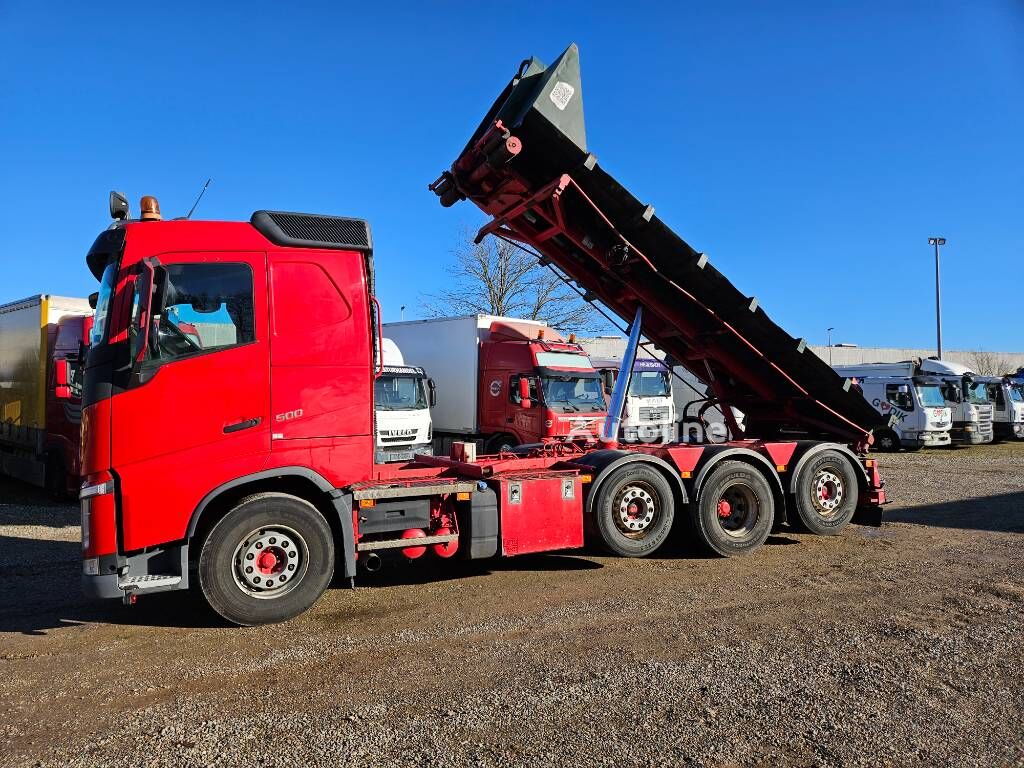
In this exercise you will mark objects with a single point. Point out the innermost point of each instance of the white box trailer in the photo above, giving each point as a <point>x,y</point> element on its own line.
<point>448,349</point>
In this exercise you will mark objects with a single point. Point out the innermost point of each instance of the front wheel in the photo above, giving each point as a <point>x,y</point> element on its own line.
<point>267,560</point>
<point>735,509</point>
<point>827,493</point>
<point>887,441</point>
<point>634,510</point>
<point>499,444</point>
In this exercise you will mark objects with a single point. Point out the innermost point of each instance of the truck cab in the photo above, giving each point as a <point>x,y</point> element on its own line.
<point>919,415</point>
<point>649,415</point>
<point>547,387</point>
<point>1007,401</point>
<point>967,397</point>
<point>402,396</point>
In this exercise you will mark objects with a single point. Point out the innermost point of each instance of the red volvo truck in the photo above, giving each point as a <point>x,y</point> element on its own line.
<point>245,466</point>
<point>41,343</point>
<point>480,361</point>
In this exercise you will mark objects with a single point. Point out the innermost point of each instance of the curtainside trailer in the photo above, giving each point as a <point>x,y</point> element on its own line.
<point>245,467</point>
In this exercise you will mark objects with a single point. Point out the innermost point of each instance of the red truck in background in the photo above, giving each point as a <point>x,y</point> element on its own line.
<point>245,466</point>
<point>42,341</point>
<point>481,361</point>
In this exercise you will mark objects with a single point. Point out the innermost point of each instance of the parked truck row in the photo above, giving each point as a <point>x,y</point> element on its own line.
<point>934,402</point>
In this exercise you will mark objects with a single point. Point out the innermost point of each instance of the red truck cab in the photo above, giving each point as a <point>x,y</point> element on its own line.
<point>546,387</point>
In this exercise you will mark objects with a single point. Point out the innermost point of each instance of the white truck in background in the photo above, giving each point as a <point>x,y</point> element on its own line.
<point>402,396</point>
<point>922,418</point>
<point>966,397</point>
<point>1007,400</point>
<point>649,415</point>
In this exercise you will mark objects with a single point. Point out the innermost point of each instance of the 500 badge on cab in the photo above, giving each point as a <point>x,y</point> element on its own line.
<point>288,415</point>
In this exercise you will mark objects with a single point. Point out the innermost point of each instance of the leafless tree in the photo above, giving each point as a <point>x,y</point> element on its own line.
<point>988,363</point>
<point>495,277</point>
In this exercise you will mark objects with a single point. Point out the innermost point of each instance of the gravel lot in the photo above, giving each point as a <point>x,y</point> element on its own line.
<point>894,646</point>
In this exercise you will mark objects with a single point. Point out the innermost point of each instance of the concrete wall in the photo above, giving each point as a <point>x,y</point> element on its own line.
<point>1010,361</point>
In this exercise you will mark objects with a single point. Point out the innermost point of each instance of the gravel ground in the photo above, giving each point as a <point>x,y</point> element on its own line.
<point>892,646</point>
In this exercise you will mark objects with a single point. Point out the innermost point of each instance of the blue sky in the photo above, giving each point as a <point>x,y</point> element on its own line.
<point>810,148</point>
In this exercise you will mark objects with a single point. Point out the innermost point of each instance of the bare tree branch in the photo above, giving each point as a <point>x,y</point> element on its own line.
<point>988,363</point>
<point>497,278</point>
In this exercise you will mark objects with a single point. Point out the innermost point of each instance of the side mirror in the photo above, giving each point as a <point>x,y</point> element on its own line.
<point>608,380</point>
<point>524,393</point>
<point>432,397</point>
<point>62,379</point>
<point>118,206</point>
<point>94,297</point>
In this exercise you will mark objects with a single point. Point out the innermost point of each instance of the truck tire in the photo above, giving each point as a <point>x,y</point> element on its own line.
<point>735,509</point>
<point>499,443</point>
<point>267,560</point>
<point>634,510</point>
<point>827,493</point>
<point>887,441</point>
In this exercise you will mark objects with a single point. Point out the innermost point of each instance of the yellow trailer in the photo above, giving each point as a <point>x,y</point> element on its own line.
<point>28,330</point>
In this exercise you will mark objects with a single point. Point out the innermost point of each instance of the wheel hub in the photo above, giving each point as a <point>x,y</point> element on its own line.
<point>828,492</point>
<point>636,509</point>
<point>269,561</point>
<point>738,510</point>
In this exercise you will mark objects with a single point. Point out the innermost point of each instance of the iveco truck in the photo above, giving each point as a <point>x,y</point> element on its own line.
<point>918,414</point>
<point>649,415</point>
<point>402,397</point>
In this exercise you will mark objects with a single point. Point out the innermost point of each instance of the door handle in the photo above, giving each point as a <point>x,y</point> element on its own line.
<point>241,425</point>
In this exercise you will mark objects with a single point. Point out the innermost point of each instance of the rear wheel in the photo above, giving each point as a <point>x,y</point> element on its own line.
<point>735,509</point>
<point>827,493</point>
<point>634,510</point>
<point>267,560</point>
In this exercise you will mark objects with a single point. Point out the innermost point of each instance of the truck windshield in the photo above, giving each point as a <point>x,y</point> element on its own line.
<point>649,384</point>
<point>978,394</point>
<point>102,314</point>
<point>931,396</point>
<point>951,391</point>
<point>1015,394</point>
<point>573,393</point>
<point>399,393</point>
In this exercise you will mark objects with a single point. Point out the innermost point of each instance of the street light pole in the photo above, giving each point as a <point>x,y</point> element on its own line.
<point>937,241</point>
<point>829,332</point>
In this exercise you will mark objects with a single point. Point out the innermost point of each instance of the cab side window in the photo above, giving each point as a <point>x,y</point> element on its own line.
<point>901,400</point>
<point>513,389</point>
<point>206,307</point>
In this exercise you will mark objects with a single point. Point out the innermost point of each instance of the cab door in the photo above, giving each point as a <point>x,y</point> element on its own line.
<point>195,412</point>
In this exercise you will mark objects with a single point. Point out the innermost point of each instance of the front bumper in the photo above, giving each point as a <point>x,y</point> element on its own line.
<point>971,433</point>
<point>116,576</point>
<point>649,433</point>
<point>934,439</point>
<point>392,454</point>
